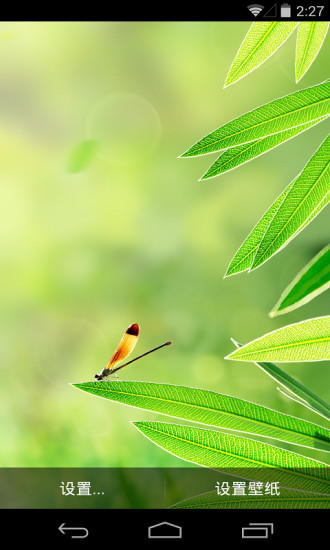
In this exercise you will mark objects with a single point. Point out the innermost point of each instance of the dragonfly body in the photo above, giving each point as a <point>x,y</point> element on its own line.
<point>125,347</point>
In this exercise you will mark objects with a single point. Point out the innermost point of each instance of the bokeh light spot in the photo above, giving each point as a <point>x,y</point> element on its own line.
<point>126,127</point>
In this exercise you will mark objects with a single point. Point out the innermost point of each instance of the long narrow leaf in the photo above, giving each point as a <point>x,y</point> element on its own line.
<point>235,156</point>
<point>260,43</point>
<point>310,188</point>
<point>219,451</point>
<point>214,409</point>
<point>313,279</point>
<point>296,390</point>
<point>305,341</point>
<point>243,258</point>
<point>310,38</point>
<point>287,499</point>
<point>282,114</point>
<point>293,397</point>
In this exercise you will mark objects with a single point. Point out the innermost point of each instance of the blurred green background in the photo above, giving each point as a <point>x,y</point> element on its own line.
<point>102,225</point>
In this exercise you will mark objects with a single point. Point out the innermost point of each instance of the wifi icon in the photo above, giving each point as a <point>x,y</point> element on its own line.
<point>255,9</point>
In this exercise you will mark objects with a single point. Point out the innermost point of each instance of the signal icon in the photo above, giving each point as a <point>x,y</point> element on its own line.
<point>255,9</point>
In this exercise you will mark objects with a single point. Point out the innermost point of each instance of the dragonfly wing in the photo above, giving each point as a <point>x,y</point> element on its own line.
<point>126,345</point>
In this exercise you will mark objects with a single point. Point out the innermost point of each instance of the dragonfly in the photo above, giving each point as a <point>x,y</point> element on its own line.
<point>125,347</point>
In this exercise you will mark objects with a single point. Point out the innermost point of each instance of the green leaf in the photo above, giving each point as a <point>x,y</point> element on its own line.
<point>293,397</point>
<point>310,38</point>
<point>235,156</point>
<point>282,114</point>
<point>260,43</point>
<point>310,188</point>
<point>82,155</point>
<point>304,341</point>
<point>243,258</point>
<point>211,408</point>
<point>296,391</point>
<point>219,451</point>
<point>311,281</point>
<point>287,499</point>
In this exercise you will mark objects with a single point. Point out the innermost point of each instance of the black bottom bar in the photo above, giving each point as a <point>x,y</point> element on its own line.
<point>76,528</point>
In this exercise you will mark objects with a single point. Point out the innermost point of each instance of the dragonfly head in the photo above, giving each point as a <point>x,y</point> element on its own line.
<point>104,373</point>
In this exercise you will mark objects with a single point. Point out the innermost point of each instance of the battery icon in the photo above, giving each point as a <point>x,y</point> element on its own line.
<point>285,10</point>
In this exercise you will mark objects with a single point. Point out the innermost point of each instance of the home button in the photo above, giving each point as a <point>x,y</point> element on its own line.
<point>164,530</point>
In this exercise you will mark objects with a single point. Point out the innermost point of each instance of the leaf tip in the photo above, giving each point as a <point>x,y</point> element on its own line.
<point>237,344</point>
<point>186,154</point>
<point>229,80</point>
<point>79,386</point>
<point>273,313</point>
<point>231,271</point>
<point>256,263</point>
<point>136,423</point>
